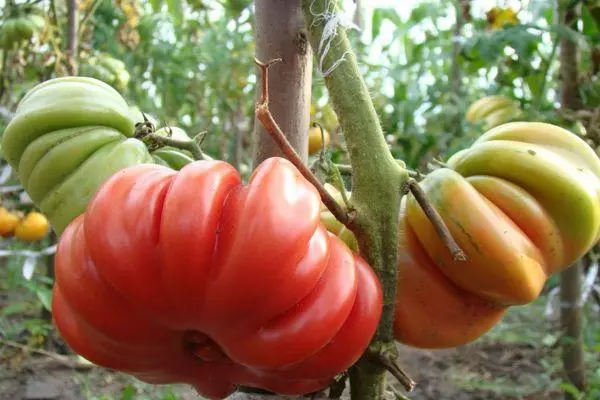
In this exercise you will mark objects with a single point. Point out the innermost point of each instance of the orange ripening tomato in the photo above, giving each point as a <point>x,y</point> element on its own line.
<point>315,139</point>
<point>8,222</point>
<point>523,202</point>
<point>33,227</point>
<point>190,276</point>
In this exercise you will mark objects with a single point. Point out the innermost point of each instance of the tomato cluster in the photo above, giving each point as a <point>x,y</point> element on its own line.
<point>30,228</point>
<point>104,67</point>
<point>21,25</point>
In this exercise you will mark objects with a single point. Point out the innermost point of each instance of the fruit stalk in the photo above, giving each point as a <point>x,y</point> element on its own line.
<point>378,182</point>
<point>436,220</point>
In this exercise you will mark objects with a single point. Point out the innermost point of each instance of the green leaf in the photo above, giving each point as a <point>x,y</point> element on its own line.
<point>570,389</point>
<point>128,393</point>
<point>382,14</point>
<point>534,82</point>
<point>45,297</point>
<point>589,23</point>
<point>421,12</point>
<point>156,5</point>
<point>564,32</point>
<point>175,7</point>
<point>15,308</point>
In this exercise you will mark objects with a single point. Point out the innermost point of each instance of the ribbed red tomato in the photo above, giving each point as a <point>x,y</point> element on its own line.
<point>194,277</point>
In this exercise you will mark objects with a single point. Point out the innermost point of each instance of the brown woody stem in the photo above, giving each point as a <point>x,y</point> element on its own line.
<point>266,118</point>
<point>437,221</point>
<point>390,364</point>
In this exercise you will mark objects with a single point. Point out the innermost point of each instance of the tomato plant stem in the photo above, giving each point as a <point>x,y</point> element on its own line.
<point>266,118</point>
<point>377,179</point>
<point>390,363</point>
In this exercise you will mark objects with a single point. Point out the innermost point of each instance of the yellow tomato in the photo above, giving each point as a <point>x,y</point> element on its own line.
<point>498,17</point>
<point>315,141</point>
<point>33,227</point>
<point>8,222</point>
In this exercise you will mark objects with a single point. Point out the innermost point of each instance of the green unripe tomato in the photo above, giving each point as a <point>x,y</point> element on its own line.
<point>68,136</point>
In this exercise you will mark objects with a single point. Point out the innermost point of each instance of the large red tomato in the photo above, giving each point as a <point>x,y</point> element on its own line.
<point>193,277</point>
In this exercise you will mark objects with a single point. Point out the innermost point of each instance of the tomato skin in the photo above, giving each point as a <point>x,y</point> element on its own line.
<point>431,311</point>
<point>271,299</point>
<point>523,202</point>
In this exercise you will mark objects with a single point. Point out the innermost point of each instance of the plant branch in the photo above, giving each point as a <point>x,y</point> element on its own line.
<point>88,14</point>
<point>72,42</point>
<point>64,360</point>
<point>537,101</point>
<point>264,115</point>
<point>437,221</point>
<point>3,72</point>
<point>390,364</point>
<point>190,145</point>
<point>54,16</point>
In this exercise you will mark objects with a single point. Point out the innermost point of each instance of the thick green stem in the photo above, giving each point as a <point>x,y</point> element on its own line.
<point>378,181</point>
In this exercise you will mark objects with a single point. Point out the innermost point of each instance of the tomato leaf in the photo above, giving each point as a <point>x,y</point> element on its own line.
<point>381,14</point>
<point>176,9</point>
<point>45,296</point>
<point>156,5</point>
